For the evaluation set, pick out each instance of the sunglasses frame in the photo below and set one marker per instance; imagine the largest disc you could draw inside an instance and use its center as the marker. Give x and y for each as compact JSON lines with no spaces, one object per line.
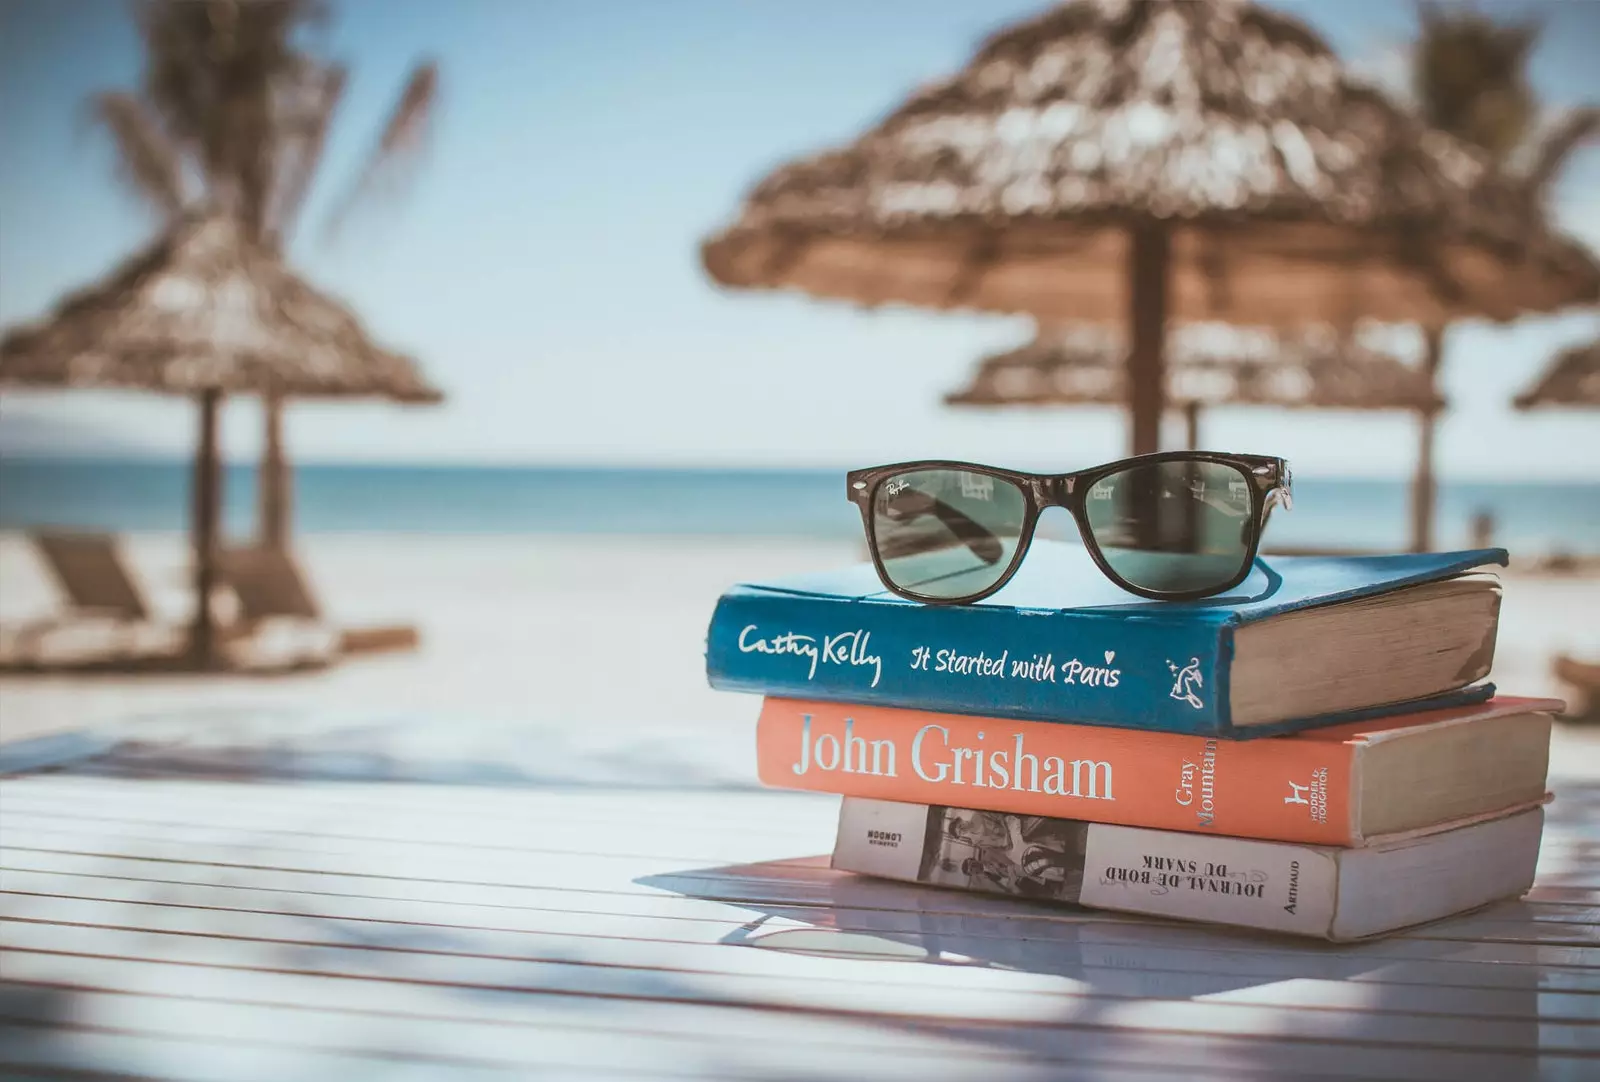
{"x":1273,"y":484}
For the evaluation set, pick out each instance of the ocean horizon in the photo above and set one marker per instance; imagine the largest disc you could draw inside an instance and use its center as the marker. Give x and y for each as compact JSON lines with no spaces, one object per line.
{"x":150,"y":495}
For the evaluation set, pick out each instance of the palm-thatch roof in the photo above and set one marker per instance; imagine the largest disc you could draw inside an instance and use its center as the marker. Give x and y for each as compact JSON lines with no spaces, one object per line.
{"x":203,"y":309}
{"x":1211,"y":365}
{"x":1573,"y":379}
{"x":1292,"y":194}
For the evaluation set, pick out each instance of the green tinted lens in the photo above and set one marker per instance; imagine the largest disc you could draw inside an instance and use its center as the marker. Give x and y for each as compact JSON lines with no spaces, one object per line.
{"x":1173,"y":527}
{"x":946,"y":533}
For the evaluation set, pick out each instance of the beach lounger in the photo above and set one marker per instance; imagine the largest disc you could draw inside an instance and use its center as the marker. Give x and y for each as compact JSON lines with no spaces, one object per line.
{"x":271,"y":589}
{"x":104,"y":606}
{"x":107,"y":623}
{"x":89,"y":569}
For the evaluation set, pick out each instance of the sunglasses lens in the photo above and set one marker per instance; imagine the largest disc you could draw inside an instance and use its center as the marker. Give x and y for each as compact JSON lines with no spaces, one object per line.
{"x":1173,"y":527}
{"x":944,"y":534}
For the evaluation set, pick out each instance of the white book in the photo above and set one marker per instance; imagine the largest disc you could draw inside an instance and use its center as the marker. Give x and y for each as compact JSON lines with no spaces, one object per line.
{"x":1310,"y":890}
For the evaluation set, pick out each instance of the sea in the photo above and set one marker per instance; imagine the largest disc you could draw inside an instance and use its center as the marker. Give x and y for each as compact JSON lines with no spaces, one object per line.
{"x":1530,"y":518}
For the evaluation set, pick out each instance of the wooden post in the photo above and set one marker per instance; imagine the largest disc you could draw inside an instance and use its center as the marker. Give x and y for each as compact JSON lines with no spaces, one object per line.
{"x":206,"y":527}
{"x":1422,"y":486}
{"x":1191,"y":418}
{"x":1149,"y":280}
{"x":273,"y":480}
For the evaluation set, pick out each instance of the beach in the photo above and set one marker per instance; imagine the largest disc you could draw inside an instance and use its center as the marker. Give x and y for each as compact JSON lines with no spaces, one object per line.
{"x":596,"y":638}
{"x":580,"y":631}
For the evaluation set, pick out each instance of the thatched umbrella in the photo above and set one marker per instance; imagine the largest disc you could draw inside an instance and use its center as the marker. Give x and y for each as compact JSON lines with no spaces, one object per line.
{"x":202,"y":312}
{"x":1572,"y":380}
{"x":1212,"y":365}
{"x":1146,"y":162}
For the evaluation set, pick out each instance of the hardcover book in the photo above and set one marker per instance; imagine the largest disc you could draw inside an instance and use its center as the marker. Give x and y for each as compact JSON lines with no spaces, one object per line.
{"x":1350,"y":785}
{"x":1336,"y":894}
{"x":1304,"y":641}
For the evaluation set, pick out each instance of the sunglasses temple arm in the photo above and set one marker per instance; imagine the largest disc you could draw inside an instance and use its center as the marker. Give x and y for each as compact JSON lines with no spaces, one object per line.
{"x":1275,"y":498}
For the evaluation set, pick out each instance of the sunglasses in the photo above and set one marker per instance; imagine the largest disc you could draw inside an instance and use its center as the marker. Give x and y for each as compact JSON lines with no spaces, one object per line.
{"x":1171,"y":526}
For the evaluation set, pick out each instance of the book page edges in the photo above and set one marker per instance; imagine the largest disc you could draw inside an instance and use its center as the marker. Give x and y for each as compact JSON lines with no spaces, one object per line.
{"x":1401,"y":837}
{"x":1498,"y":707}
{"x":1463,"y":562}
{"x":1526,"y":819}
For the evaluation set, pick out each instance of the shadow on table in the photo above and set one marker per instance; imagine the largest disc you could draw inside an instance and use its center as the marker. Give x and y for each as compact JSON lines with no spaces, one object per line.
{"x":35,"y":1016}
{"x":1128,"y":970}
{"x":857,"y":916}
{"x":1458,"y":998}
{"x":265,"y":743}
{"x":1388,"y":1008}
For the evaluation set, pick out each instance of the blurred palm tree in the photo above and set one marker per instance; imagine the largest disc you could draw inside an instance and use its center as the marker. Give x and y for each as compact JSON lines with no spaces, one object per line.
{"x":232,"y":114}
{"x":1469,"y":75}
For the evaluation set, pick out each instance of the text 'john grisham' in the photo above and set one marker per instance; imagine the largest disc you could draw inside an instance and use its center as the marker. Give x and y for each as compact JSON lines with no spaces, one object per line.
{"x":853,"y":649}
{"x":933,"y":758}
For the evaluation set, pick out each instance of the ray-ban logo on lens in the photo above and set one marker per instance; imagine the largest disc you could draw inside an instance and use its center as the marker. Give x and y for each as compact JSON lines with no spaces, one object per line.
{"x":894,"y":488}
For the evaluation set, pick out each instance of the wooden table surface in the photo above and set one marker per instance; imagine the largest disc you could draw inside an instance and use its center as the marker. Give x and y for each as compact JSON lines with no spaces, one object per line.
{"x":189,"y":917}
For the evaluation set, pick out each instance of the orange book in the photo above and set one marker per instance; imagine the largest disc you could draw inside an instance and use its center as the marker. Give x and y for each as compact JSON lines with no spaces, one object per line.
{"x":1345,"y":785}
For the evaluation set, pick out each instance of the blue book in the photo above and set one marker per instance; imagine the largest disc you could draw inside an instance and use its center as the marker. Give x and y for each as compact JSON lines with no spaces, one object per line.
{"x":1305,"y":641}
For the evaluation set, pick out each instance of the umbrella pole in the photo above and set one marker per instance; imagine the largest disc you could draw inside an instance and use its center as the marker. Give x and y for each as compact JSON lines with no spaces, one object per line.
{"x":1149,"y":280}
{"x":273,"y":479}
{"x":207,"y":514}
{"x":1191,"y":419}
{"x":1422,"y":486}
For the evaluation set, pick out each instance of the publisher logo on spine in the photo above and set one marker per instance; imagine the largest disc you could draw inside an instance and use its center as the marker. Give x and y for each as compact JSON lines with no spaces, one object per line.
{"x":1187,"y":683}
{"x":1313,"y":794}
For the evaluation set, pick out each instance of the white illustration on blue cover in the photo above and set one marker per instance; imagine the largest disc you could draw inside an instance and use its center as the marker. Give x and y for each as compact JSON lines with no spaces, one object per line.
{"x":1188,"y":683}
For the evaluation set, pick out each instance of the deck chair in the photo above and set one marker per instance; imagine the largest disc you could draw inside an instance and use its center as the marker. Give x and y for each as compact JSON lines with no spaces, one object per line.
{"x":98,"y":588}
{"x":270,"y":589}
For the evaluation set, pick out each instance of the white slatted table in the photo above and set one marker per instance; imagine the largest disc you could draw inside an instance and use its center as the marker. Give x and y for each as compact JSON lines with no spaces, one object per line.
{"x":163,"y":921}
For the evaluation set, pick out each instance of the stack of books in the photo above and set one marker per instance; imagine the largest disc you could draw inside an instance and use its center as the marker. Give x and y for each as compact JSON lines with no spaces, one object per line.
{"x":1316,"y":752}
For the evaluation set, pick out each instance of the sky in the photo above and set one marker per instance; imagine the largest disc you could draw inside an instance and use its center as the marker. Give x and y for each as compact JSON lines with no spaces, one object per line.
{"x":543,"y":263}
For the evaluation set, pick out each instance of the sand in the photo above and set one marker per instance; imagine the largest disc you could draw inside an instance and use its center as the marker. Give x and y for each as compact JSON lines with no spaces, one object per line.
{"x":584,"y":635}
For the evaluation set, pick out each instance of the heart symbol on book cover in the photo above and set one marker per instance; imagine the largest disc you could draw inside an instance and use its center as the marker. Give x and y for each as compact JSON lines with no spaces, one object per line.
{"x":1110,"y":654}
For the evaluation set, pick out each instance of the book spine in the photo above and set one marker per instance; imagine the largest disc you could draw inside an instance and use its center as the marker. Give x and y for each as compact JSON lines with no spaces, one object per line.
{"x":1145,"y":673}
{"x":1273,"y":886}
{"x":1282,"y":790}
{"x":1266,"y":885}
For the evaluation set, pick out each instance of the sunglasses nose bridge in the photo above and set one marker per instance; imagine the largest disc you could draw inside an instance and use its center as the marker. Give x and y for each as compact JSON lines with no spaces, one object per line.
{"x":1052,"y":491}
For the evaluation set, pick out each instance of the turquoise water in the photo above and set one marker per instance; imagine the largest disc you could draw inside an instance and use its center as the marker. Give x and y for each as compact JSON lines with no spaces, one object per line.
{"x":153,"y":495}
